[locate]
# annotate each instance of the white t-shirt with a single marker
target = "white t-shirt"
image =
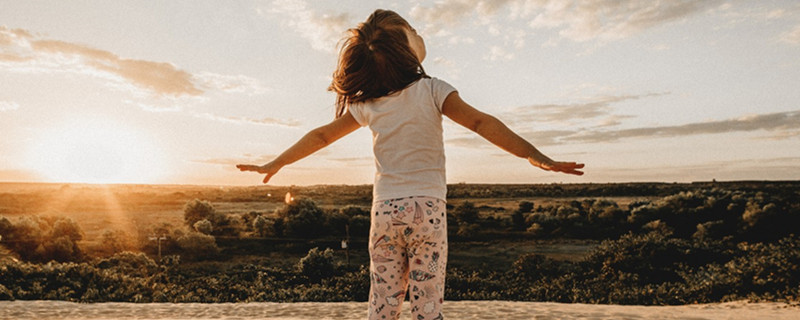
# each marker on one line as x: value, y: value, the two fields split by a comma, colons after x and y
x: 407, y: 140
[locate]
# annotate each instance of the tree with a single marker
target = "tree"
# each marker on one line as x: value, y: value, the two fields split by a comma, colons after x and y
x: 197, y: 210
x: 302, y: 218
x: 264, y: 226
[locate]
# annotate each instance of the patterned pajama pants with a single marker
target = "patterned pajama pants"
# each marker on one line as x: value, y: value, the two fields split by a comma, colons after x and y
x: 408, y: 254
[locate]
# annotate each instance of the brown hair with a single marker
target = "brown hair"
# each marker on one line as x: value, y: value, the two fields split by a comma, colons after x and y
x: 375, y: 60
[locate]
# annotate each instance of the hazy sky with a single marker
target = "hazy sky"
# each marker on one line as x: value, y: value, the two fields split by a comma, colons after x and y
x: 181, y: 91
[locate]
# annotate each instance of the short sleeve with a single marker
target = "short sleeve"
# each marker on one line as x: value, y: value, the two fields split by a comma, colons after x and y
x: 357, y: 110
x: 440, y: 90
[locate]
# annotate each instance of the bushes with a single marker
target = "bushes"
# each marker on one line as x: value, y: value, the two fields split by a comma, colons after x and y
x: 711, y: 214
x: 636, y: 269
x: 196, y: 211
x: 317, y: 265
x: 130, y: 263
x: 41, y: 239
x: 197, y: 245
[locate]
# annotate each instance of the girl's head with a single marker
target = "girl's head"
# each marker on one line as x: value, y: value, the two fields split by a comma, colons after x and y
x: 381, y: 56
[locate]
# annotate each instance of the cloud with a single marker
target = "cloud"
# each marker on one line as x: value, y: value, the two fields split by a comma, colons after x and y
x: 172, y: 107
x: 595, y: 108
x: 792, y: 36
x: 22, y: 51
x: 538, y: 138
x: 230, y: 84
x: 8, y: 106
x: 244, y: 120
x: 780, y: 125
x: 576, y: 20
x: 498, y: 53
x: 780, y: 122
x: 453, y: 12
x: 323, y: 30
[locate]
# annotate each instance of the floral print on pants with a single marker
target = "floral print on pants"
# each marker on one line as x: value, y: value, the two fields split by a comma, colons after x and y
x: 408, y: 254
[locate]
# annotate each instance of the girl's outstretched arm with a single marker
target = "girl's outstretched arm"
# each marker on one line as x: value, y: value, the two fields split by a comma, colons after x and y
x: 499, y: 134
x: 311, y: 142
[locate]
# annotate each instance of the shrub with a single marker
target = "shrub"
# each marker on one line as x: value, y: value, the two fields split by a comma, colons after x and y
x: 198, y: 245
x: 535, y: 266
x: 197, y: 210
x: 525, y: 206
x: 131, y: 263
x: 204, y: 226
x: 466, y: 213
x: 302, y: 218
x: 317, y: 265
x: 264, y: 226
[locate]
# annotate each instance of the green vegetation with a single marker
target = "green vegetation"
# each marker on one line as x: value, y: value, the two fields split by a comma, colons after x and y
x: 701, y: 243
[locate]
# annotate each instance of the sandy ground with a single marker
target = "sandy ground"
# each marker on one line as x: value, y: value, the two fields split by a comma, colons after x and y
x: 463, y: 310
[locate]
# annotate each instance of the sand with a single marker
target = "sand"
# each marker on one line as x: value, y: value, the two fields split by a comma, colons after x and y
x: 462, y: 310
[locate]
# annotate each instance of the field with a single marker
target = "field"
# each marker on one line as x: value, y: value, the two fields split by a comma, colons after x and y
x: 637, y: 243
x: 137, y: 209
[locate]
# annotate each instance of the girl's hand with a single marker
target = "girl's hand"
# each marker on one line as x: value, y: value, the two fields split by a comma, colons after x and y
x: 269, y: 169
x: 557, y: 166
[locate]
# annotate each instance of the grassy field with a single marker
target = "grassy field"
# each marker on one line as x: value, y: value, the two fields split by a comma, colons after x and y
x: 134, y: 209
x: 635, y: 243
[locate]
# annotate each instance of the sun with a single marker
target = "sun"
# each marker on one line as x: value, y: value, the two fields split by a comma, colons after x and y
x: 95, y: 151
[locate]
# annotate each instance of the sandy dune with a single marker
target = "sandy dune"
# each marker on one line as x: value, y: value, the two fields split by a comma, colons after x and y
x: 463, y: 310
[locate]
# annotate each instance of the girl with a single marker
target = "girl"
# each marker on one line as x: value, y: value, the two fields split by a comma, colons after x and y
x: 380, y: 83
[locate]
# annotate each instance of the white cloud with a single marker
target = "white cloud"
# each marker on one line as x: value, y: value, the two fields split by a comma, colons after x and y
x: 609, y: 20
x: 577, y: 20
x: 231, y: 83
x: 499, y: 53
x: 155, y: 108
x: 791, y: 36
x: 244, y: 120
x: 453, y: 12
x: 322, y: 30
x: 8, y: 106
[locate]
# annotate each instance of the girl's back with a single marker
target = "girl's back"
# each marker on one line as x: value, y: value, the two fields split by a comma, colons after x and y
x: 407, y: 139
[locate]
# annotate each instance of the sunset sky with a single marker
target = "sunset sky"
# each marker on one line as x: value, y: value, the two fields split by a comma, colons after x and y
x: 178, y: 92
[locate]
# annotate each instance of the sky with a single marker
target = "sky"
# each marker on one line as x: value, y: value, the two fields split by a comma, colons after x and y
x: 178, y: 92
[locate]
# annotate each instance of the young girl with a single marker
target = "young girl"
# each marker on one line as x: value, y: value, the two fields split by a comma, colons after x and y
x: 380, y: 83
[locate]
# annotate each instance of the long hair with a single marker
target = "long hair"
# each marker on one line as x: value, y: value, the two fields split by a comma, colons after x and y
x: 375, y: 60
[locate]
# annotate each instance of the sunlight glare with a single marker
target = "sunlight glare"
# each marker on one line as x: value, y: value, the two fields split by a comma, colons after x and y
x: 91, y: 151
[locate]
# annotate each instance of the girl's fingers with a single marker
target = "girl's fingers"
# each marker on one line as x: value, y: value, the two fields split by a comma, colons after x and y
x: 568, y: 167
x: 248, y: 167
